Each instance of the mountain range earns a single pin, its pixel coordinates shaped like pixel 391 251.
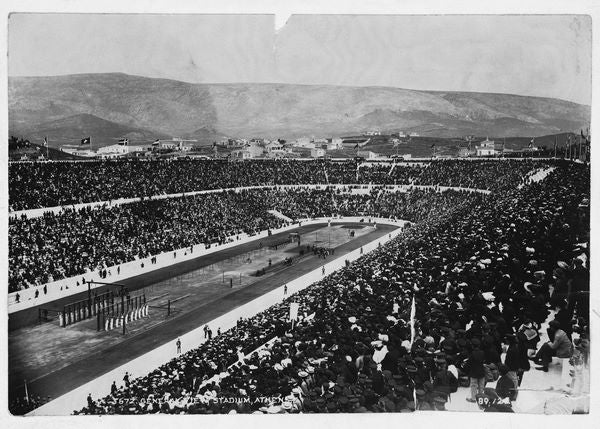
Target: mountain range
pixel 108 106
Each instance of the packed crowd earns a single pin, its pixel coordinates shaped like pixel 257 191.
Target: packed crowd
pixel 57 246
pixel 483 279
pixel 304 203
pixel 38 185
pixel 480 175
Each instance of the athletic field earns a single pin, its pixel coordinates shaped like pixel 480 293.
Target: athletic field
pixel 56 360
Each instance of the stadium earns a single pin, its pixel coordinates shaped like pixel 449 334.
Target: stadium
pixel 310 215
pixel 299 286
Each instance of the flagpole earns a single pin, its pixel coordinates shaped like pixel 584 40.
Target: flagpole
pixel 571 151
pixel 412 321
pixel 26 392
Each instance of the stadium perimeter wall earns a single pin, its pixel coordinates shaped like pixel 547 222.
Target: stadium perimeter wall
pixel 144 364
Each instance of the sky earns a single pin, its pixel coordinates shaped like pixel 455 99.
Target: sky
pixel 540 55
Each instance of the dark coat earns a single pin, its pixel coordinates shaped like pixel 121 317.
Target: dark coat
pixel 474 365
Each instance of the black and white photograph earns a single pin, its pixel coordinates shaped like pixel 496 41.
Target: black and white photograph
pixel 314 213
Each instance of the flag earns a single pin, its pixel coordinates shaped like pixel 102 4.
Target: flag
pixel 156 142
pixel 586 136
pixel 26 392
pixel 531 142
pixel 123 142
pixel 432 146
pixel 45 141
pixel 294 306
pixel 86 140
pixel 356 147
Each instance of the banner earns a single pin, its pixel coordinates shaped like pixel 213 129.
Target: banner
pixel 294 306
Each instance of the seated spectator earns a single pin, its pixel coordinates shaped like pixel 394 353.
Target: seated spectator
pixel 559 345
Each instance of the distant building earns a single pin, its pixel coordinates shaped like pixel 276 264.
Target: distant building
pixel 274 146
pixel 304 142
pixel 233 143
pixel 367 154
pixel 334 143
pixel 352 142
pixel 78 151
pixel 241 154
pixel 176 144
pixel 464 152
pixel 169 145
pixel 486 148
pixel 121 149
pixel 318 152
pixel 108 152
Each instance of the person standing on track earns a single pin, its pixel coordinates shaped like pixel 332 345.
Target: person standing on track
pixel 178 343
pixel 285 290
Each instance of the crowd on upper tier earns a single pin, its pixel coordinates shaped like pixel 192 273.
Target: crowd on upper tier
pixel 51 184
pixel 57 246
pixel 412 206
pixel 483 278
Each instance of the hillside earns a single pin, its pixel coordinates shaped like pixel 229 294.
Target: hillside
pixel 116 105
pixel 73 128
pixel 33 151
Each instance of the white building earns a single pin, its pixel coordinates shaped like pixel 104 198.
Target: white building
pixel 78 151
pixel 334 143
pixel 114 148
pixel 304 142
pixel 169 144
pixel 255 151
pixel 274 146
pixel 367 154
pixel 241 154
pixel 486 148
pixel 318 152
